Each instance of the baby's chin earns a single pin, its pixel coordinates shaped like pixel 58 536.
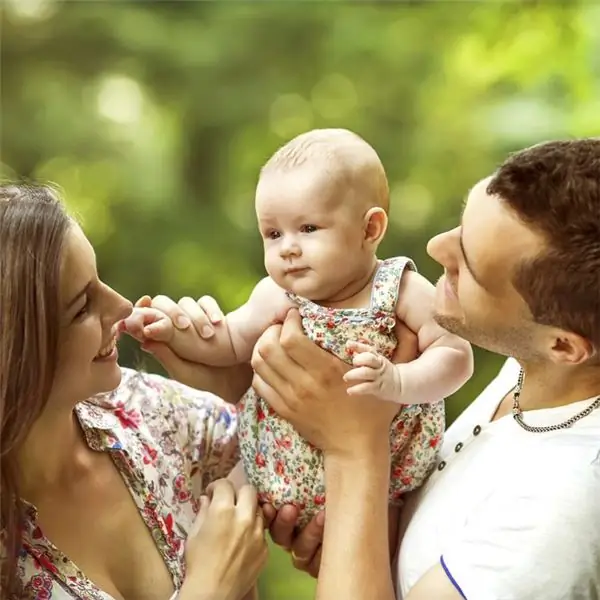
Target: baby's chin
pixel 301 285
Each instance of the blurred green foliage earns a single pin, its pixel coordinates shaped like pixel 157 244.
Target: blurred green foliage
pixel 155 118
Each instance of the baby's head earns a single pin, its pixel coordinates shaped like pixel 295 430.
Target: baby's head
pixel 321 203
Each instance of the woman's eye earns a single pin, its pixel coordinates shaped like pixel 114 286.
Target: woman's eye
pixel 308 228
pixel 82 311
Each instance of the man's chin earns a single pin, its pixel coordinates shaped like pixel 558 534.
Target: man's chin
pixel 450 323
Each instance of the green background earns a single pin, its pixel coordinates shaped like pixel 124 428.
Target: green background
pixel 155 118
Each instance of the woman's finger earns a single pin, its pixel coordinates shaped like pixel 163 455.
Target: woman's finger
pixel 221 493
pixel 172 310
pixel 247 504
pixel 161 331
pixel 197 316
pixel 360 374
pixel 211 307
pixel 200 517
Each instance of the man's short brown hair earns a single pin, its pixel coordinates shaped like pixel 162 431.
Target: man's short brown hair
pixel 555 189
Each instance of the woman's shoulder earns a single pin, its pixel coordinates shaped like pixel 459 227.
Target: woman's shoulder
pixel 152 397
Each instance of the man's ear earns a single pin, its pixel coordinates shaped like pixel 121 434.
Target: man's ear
pixel 375 225
pixel 568 348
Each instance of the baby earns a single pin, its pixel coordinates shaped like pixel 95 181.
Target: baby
pixel 322 202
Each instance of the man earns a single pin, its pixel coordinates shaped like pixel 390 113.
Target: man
pixel 512 510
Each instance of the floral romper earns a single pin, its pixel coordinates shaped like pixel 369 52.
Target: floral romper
pixel 284 467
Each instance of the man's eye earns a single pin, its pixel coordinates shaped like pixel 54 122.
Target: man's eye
pixel 308 228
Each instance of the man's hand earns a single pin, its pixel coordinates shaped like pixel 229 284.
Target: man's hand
pixel 304 547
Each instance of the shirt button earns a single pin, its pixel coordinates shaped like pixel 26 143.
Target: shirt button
pixel 441 466
pixel 477 430
pixel 458 447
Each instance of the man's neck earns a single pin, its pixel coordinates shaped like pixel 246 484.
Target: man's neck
pixel 548 385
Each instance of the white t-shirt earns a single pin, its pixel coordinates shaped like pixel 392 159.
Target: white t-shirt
pixel 511 515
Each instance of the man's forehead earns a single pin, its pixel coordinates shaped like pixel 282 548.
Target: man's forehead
pixel 493 235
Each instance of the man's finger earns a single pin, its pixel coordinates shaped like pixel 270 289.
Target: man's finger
pixel 307 543
pixel 315 564
pixel 269 514
pixel 271 397
pixel 271 365
pixel 282 527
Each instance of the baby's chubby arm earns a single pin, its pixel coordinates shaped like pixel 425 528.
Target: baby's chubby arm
pixel 234 336
pixel 445 362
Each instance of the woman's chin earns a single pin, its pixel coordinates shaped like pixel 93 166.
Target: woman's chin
pixel 107 376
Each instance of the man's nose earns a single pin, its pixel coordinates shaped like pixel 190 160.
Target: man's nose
pixel 443 247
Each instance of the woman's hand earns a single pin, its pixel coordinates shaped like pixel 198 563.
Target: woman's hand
pixel 304 385
pixel 226 549
pixel 229 383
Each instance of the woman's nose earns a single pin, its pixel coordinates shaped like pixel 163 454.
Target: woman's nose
pixel 120 307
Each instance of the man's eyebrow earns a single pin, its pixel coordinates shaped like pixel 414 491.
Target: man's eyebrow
pixel 78 296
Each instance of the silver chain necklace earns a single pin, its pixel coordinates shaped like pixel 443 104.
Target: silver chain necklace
pixel 518 413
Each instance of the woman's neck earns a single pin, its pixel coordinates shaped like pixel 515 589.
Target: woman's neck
pixel 53 453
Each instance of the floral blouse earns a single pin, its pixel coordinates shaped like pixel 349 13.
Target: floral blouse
pixel 169 442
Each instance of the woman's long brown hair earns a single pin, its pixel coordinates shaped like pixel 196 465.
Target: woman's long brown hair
pixel 33 227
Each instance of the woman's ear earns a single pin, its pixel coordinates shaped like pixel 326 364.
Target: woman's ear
pixel 375 225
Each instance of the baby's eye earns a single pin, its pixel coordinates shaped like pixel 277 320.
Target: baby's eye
pixel 308 228
pixel 273 234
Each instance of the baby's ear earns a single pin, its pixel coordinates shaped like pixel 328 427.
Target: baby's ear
pixel 375 225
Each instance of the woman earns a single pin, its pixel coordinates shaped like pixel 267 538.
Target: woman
pixel 102 469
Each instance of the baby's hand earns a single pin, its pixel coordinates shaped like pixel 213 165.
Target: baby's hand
pixel 145 323
pixel 372 374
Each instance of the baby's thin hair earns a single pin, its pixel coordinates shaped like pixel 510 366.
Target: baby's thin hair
pixel 341 153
